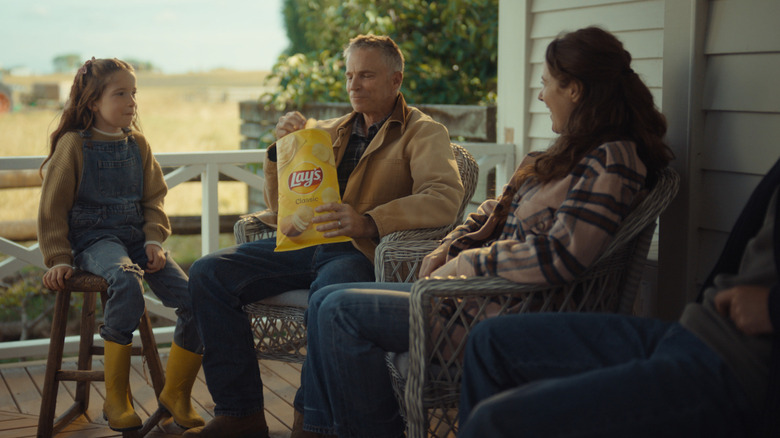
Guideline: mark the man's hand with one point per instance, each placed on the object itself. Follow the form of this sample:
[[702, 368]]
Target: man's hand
[[342, 220], [54, 278], [748, 307], [156, 257], [290, 122]]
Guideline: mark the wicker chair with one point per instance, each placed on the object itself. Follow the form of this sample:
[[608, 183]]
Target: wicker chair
[[277, 321], [431, 385]]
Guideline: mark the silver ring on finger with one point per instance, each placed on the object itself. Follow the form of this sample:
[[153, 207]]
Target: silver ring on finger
[[339, 223]]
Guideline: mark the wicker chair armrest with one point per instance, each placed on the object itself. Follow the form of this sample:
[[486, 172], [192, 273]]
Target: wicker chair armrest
[[399, 255], [481, 297], [250, 227], [418, 234], [471, 286], [400, 260]]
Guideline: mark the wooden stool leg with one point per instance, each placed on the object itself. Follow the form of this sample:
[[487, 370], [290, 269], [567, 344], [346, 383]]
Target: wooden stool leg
[[85, 347], [151, 354], [155, 369], [53, 364]]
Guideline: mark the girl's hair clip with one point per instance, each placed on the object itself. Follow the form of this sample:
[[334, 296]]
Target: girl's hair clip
[[83, 69]]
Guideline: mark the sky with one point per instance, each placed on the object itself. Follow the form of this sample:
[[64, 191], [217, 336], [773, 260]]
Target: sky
[[176, 36]]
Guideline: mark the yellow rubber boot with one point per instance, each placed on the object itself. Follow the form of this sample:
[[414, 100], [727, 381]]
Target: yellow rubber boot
[[180, 373], [118, 408]]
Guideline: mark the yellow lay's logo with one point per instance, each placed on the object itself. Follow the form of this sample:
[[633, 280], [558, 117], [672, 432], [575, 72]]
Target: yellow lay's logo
[[305, 178]]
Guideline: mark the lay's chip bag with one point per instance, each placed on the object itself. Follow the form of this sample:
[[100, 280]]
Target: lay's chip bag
[[307, 179]]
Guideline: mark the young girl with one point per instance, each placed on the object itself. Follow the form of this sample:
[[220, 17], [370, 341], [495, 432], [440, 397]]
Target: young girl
[[102, 210]]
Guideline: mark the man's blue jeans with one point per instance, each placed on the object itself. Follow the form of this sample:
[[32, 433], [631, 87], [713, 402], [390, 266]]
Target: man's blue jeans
[[588, 375], [347, 385], [222, 282]]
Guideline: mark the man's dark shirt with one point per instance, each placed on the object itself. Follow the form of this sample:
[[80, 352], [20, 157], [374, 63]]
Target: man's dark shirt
[[358, 142]]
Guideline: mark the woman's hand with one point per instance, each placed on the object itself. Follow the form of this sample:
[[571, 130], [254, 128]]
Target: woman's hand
[[448, 269], [433, 260], [156, 257], [748, 307], [54, 278]]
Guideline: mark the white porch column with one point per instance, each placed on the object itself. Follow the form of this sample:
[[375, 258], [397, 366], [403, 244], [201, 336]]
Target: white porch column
[[512, 115]]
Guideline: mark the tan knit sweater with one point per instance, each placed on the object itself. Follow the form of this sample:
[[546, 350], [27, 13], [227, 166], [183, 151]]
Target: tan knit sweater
[[61, 184]]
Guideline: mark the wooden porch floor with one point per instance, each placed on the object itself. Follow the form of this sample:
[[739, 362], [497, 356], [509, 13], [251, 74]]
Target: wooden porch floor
[[21, 386]]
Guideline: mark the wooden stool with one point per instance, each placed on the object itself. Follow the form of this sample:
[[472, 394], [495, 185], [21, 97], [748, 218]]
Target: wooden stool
[[90, 285]]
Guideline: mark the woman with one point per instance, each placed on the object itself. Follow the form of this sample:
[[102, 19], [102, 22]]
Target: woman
[[715, 372], [558, 213]]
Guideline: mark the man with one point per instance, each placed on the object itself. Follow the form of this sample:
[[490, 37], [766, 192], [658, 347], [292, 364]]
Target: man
[[715, 373], [396, 171]]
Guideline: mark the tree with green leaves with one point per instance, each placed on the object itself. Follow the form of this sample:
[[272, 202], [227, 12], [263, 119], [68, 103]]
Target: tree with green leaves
[[67, 63], [450, 48]]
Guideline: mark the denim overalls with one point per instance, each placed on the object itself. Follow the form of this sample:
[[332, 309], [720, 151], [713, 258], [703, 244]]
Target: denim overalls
[[107, 238]]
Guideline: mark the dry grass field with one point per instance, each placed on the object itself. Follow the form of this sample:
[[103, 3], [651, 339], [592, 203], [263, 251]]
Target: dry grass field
[[178, 113]]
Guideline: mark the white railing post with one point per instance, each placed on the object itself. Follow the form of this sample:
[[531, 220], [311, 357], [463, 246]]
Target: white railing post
[[499, 156], [209, 222]]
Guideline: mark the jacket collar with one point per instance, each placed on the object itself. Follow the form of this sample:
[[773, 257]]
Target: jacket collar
[[399, 115]]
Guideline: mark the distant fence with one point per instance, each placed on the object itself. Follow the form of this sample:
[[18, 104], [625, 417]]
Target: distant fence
[[25, 229], [204, 166]]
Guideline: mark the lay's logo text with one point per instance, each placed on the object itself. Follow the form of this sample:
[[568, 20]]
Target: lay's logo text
[[306, 179]]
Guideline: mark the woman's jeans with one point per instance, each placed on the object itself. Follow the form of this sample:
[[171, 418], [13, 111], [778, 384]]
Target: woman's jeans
[[345, 384], [589, 375], [222, 282]]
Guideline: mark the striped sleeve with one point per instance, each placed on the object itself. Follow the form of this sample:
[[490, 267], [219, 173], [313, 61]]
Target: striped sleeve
[[473, 222], [559, 229]]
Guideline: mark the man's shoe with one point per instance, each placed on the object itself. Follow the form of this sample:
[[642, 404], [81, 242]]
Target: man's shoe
[[224, 426], [298, 432]]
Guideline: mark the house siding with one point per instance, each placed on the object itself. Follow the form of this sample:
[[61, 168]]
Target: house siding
[[638, 24], [741, 107], [712, 66]]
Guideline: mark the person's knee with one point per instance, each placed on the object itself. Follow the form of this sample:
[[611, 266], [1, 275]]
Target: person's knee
[[198, 275], [331, 294], [500, 416], [487, 330], [327, 299], [201, 266], [127, 279], [331, 307], [315, 300], [490, 337], [483, 331], [481, 417], [126, 275]]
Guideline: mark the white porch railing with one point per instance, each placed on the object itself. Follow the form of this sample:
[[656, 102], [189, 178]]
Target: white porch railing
[[189, 165], [207, 165], [499, 156]]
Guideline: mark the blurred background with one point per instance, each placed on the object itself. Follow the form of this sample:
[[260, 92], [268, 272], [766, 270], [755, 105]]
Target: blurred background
[[196, 62]]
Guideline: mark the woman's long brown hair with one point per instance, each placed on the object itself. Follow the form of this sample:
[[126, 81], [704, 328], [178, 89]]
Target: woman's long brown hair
[[615, 104]]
